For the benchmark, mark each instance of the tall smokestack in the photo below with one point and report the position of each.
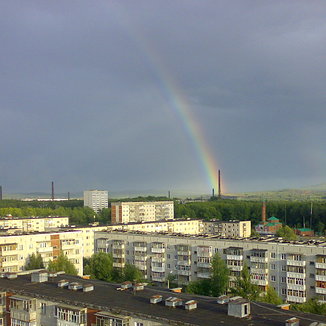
(213, 192)
(219, 184)
(169, 194)
(0, 192)
(263, 212)
(52, 184)
(68, 195)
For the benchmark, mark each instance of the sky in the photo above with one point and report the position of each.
(159, 95)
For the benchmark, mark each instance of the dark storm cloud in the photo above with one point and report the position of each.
(83, 101)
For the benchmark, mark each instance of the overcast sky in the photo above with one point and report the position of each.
(85, 99)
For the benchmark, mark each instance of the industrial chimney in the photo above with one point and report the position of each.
(0, 192)
(263, 212)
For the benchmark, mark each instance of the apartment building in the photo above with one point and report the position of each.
(31, 224)
(66, 301)
(126, 212)
(233, 229)
(297, 270)
(16, 249)
(96, 199)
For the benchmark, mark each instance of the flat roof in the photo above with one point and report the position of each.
(107, 299)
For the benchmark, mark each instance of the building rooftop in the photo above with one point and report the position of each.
(105, 297)
(321, 242)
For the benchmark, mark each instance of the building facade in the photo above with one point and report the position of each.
(16, 249)
(126, 212)
(96, 199)
(32, 224)
(297, 271)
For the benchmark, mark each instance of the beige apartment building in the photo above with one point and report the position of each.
(31, 224)
(126, 212)
(297, 270)
(96, 199)
(233, 229)
(16, 249)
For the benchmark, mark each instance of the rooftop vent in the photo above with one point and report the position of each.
(239, 308)
(88, 287)
(39, 277)
(63, 283)
(173, 302)
(156, 299)
(292, 322)
(191, 305)
(75, 286)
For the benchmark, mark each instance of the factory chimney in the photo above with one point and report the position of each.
(68, 195)
(52, 196)
(263, 212)
(219, 184)
(213, 192)
(0, 192)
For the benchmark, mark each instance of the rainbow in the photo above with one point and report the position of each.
(177, 99)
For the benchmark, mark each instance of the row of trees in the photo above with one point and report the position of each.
(62, 263)
(290, 213)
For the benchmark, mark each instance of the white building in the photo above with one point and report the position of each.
(96, 199)
(126, 212)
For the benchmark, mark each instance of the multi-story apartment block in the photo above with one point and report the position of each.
(233, 229)
(96, 199)
(16, 249)
(126, 212)
(32, 304)
(297, 270)
(31, 224)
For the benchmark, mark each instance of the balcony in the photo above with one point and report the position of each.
(118, 246)
(255, 259)
(296, 275)
(258, 270)
(118, 265)
(45, 249)
(204, 265)
(203, 275)
(158, 279)
(259, 282)
(140, 257)
(158, 250)
(158, 269)
(183, 253)
(291, 298)
(320, 265)
(234, 257)
(142, 267)
(291, 286)
(8, 252)
(9, 263)
(68, 246)
(140, 249)
(183, 272)
(320, 290)
(26, 316)
(320, 278)
(118, 254)
(158, 259)
(299, 263)
(235, 268)
(184, 263)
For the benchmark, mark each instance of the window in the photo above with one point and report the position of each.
(283, 256)
(273, 278)
(138, 324)
(43, 308)
(273, 266)
(273, 255)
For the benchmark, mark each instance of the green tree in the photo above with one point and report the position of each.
(62, 263)
(312, 306)
(202, 287)
(100, 267)
(286, 233)
(132, 273)
(244, 287)
(220, 276)
(34, 262)
(271, 296)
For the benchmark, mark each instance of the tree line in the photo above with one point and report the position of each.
(294, 214)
